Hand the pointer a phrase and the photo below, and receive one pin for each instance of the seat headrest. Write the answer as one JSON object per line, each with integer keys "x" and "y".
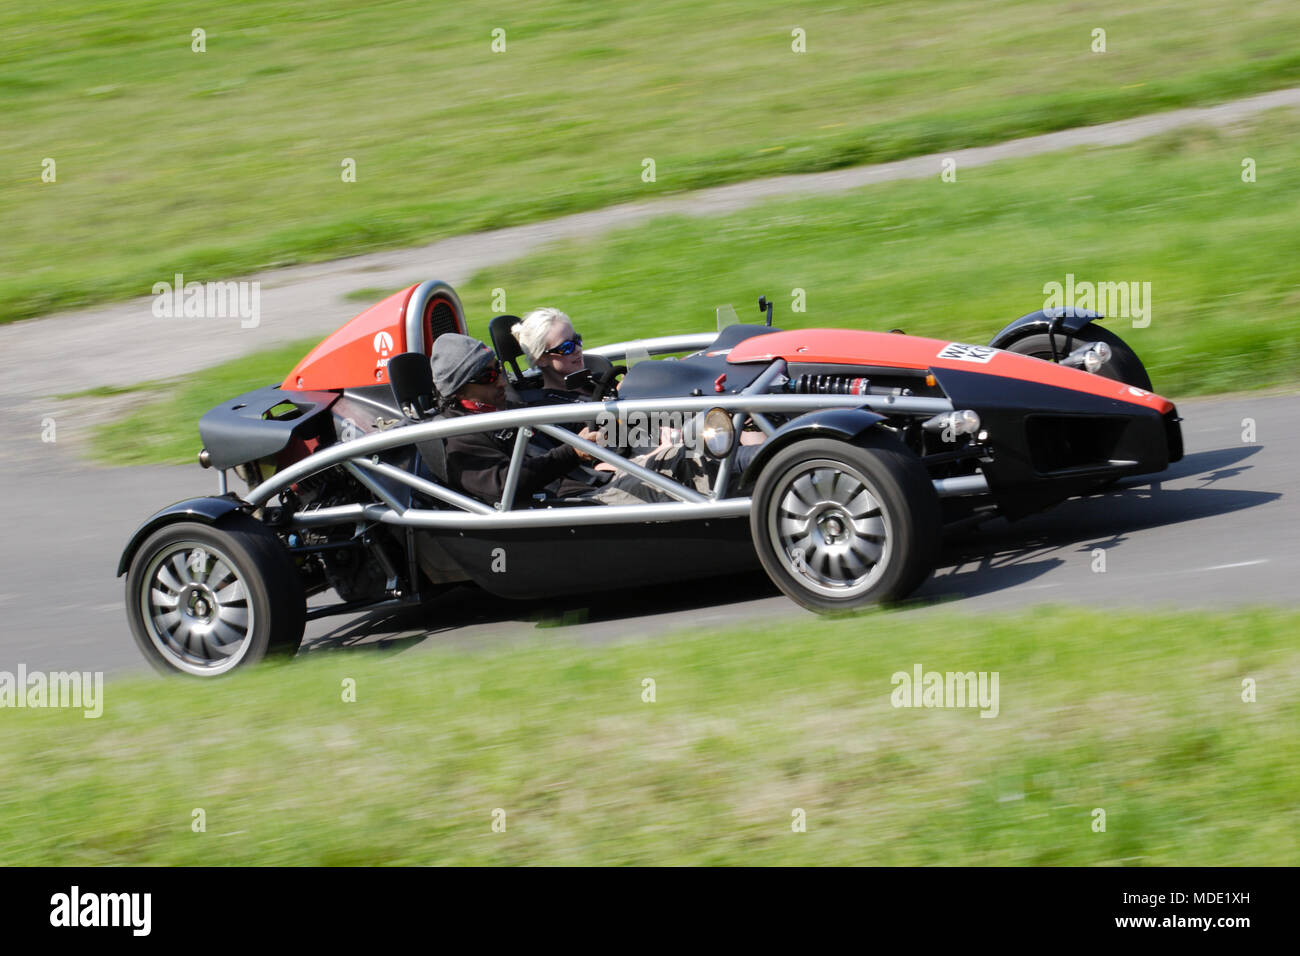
{"x": 411, "y": 378}
{"x": 504, "y": 342}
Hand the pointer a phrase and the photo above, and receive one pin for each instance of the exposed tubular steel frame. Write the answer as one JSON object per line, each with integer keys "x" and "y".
{"x": 964, "y": 485}
{"x": 516, "y": 464}
{"x": 540, "y": 518}
{"x": 652, "y": 478}
{"x": 374, "y": 487}
{"x": 565, "y": 517}
{"x": 761, "y": 421}
{"x": 355, "y": 456}
{"x": 376, "y": 442}
{"x": 662, "y": 345}
{"x": 364, "y": 400}
{"x": 757, "y": 387}
{"x": 446, "y": 495}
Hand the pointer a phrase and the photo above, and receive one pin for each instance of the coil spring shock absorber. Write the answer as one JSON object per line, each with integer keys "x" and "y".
{"x": 828, "y": 385}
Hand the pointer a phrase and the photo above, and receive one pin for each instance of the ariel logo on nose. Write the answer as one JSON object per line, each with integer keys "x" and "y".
{"x": 383, "y": 343}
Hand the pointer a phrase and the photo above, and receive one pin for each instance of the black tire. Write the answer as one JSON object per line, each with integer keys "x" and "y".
{"x": 1124, "y": 365}
{"x": 237, "y": 597}
{"x": 840, "y": 568}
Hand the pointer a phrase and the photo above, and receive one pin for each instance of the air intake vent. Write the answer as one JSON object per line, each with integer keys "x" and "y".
{"x": 1065, "y": 443}
{"x": 442, "y": 318}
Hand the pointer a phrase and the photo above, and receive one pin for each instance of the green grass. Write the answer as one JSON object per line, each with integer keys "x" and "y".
{"x": 1140, "y": 715}
{"x": 112, "y": 391}
{"x": 167, "y": 430}
{"x": 950, "y": 260}
{"x": 958, "y": 260}
{"x": 369, "y": 295}
{"x": 219, "y": 163}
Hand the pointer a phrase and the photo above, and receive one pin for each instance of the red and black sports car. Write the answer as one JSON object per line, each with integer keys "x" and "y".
{"x": 868, "y": 443}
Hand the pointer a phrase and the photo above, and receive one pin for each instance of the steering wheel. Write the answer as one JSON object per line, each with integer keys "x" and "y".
{"x": 599, "y": 376}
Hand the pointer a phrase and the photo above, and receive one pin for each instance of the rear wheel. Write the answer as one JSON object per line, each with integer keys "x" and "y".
{"x": 205, "y": 599}
{"x": 1124, "y": 365}
{"x": 838, "y": 526}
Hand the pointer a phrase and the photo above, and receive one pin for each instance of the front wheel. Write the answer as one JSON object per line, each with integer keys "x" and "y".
{"x": 838, "y": 526}
{"x": 1124, "y": 365}
{"x": 205, "y": 599}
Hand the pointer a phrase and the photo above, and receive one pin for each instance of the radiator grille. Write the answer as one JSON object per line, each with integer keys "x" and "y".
{"x": 442, "y": 318}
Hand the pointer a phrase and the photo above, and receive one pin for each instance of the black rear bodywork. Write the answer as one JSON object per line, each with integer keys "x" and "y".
{"x": 264, "y": 422}
{"x": 1052, "y": 443}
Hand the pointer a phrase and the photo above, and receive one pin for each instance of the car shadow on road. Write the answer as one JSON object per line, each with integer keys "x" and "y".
{"x": 445, "y": 617}
{"x": 1212, "y": 465}
{"x": 979, "y": 559}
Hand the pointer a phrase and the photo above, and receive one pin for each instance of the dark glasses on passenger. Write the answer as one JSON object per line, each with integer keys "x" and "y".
{"x": 567, "y": 347}
{"x": 488, "y": 376}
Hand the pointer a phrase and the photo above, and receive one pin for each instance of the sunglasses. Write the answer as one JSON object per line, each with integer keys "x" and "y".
{"x": 567, "y": 347}
{"x": 488, "y": 376}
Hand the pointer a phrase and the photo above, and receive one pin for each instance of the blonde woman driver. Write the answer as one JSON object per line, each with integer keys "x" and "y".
{"x": 547, "y": 337}
{"x": 549, "y": 341}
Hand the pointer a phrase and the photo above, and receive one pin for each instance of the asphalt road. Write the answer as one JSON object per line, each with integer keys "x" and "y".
{"x": 1219, "y": 529}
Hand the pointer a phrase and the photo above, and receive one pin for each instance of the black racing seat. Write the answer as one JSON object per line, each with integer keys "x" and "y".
{"x": 433, "y": 452}
{"x": 411, "y": 378}
{"x": 505, "y": 344}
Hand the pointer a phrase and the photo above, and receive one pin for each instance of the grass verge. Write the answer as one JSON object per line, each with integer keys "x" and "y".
{"x": 166, "y": 430}
{"x": 222, "y": 162}
{"x": 957, "y": 260}
{"x": 1140, "y": 715}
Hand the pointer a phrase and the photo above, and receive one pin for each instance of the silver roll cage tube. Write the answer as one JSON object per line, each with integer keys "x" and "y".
{"x": 360, "y": 457}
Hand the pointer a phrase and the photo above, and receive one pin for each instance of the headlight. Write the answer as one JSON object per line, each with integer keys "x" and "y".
{"x": 1096, "y": 357}
{"x": 717, "y": 434}
{"x": 964, "y": 421}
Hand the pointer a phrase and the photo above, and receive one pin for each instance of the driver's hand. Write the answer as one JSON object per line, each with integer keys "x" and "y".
{"x": 591, "y": 436}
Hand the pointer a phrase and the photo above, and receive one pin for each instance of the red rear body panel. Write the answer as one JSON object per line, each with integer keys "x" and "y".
{"x": 357, "y": 354}
{"x": 891, "y": 350}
